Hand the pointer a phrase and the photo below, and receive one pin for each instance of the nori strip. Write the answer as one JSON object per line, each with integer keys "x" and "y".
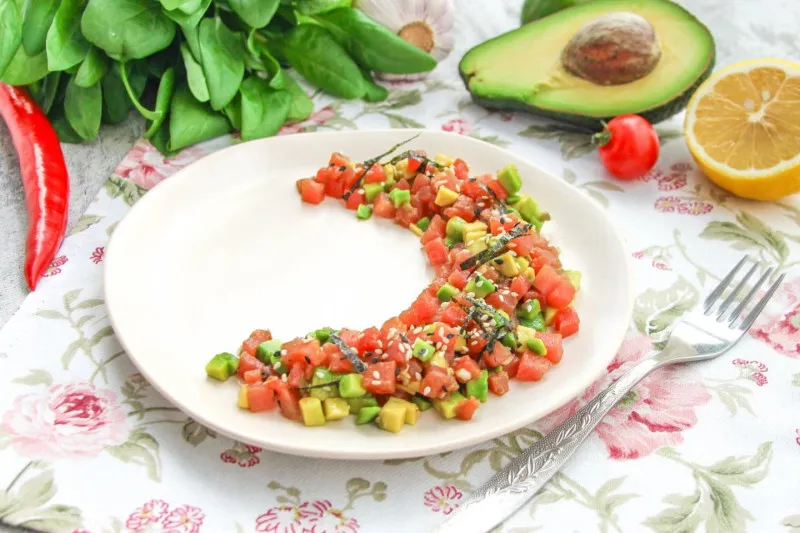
{"x": 319, "y": 385}
{"x": 496, "y": 248}
{"x": 358, "y": 364}
{"x": 369, "y": 162}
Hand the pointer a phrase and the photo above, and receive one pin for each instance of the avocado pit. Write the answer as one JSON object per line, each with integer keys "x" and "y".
{"x": 617, "y": 48}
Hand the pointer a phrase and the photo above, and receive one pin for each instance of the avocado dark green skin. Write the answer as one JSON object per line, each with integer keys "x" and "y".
{"x": 653, "y": 115}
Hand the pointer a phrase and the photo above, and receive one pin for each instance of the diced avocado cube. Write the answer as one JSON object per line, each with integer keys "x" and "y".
{"x": 350, "y": 386}
{"x": 429, "y": 329}
{"x": 512, "y": 199}
{"x": 311, "y": 409}
{"x": 450, "y": 242}
{"x": 507, "y": 265}
{"x": 527, "y": 208}
{"x": 537, "y": 346}
{"x": 321, "y": 376}
{"x": 335, "y": 408}
{"x": 524, "y": 334}
{"x": 391, "y": 174}
{"x": 392, "y": 417}
{"x": 480, "y": 286}
{"x": 461, "y": 343}
{"x": 323, "y": 335}
{"x": 529, "y": 309}
{"x": 530, "y": 274}
{"x": 522, "y": 263}
{"x": 412, "y": 410}
{"x": 549, "y": 315}
{"x": 363, "y": 212}
{"x": 510, "y": 179}
{"x": 415, "y": 230}
{"x": 447, "y": 407}
{"x": 536, "y": 323}
{"x": 423, "y": 350}
{"x": 222, "y": 366}
{"x": 479, "y": 387}
{"x": 574, "y": 277}
{"x": 445, "y": 197}
{"x": 477, "y": 246}
{"x": 439, "y": 360}
{"x": 501, "y": 316}
{"x": 509, "y": 340}
{"x": 265, "y": 352}
{"x": 367, "y": 414}
{"x": 477, "y": 225}
{"x": 455, "y": 228}
{"x": 446, "y": 292}
{"x": 371, "y": 190}
{"x": 423, "y": 223}
{"x": 445, "y": 160}
{"x": 241, "y": 401}
{"x": 400, "y": 197}
{"x": 357, "y": 404}
{"x": 421, "y": 402}
{"x": 472, "y": 236}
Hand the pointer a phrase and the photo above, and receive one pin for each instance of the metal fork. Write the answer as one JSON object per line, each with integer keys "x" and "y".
{"x": 701, "y": 334}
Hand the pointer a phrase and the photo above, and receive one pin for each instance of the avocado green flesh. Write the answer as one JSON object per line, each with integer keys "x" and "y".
{"x": 522, "y": 68}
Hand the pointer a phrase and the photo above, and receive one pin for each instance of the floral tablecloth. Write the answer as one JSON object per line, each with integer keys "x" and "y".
{"x": 86, "y": 445}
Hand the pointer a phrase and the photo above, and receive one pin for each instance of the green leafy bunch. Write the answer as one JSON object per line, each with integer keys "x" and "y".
{"x": 195, "y": 69}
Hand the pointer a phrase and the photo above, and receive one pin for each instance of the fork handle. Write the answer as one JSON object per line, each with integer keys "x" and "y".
{"x": 521, "y": 479}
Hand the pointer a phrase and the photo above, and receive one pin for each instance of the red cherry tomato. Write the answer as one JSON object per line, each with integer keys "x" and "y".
{"x": 628, "y": 147}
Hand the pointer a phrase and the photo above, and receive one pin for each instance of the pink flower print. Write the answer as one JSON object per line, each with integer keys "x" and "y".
{"x": 242, "y": 454}
{"x": 443, "y": 498}
{"x": 284, "y": 519}
{"x": 654, "y": 414}
{"x": 752, "y": 370}
{"x": 145, "y": 166}
{"x": 317, "y": 118}
{"x": 80, "y": 531}
{"x": 184, "y": 519}
{"x": 667, "y": 204}
{"x": 754, "y": 365}
{"x": 759, "y": 378}
{"x": 797, "y": 440}
{"x": 681, "y": 167}
{"x": 654, "y": 174}
{"x": 671, "y": 182}
{"x": 323, "y": 518}
{"x": 150, "y": 513}
{"x": 457, "y": 125}
{"x": 779, "y": 323}
{"x": 65, "y": 421}
{"x": 98, "y": 254}
{"x": 695, "y": 208}
{"x": 660, "y": 265}
{"x": 55, "y": 266}
{"x": 638, "y": 255}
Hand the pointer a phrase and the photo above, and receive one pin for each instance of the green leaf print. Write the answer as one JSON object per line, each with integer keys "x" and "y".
{"x": 792, "y": 522}
{"x": 84, "y": 223}
{"x": 712, "y": 500}
{"x": 117, "y": 187}
{"x": 399, "y": 121}
{"x": 655, "y": 310}
{"x": 195, "y": 433}
{"x": 733, "y": 396}
{"x": 35, "y": 377}
{"x": 749, "y": 233}
{"x": 574, "y": 142}
{"x": 27, "y": 505}
{"x": 142, "y": 449}
{"x": 796, "y": 380}
{"x": 51, "y": 314}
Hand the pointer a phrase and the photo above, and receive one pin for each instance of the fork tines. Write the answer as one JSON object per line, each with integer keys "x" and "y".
{"x": 709, "y": 306}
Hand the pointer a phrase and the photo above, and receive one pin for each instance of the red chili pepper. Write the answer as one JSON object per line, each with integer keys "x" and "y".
{"x": 44, "y": 178}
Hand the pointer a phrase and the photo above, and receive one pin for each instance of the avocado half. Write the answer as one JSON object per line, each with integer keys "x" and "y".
{"x": 523, "y": 69}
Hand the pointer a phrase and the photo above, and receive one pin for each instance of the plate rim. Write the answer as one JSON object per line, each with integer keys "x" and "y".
{"x": 307, "y": 449}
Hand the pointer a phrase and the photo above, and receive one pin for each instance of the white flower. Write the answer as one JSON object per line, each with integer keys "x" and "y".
{"x": 427, "y": 24}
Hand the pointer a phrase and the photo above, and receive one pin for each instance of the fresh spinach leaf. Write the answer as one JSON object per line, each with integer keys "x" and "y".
{"x": 316, "y": 55}
{"x": 376, "y": 47}
{"x": 302, "y": 106}
{"x": 191, "y": 122}
{"x": 62, "y": 128}
{"x": 37, "y": 16}
{"x": 116, "y": 103}
{"x": 83, "y": 107}
{"x": 45, "y": 93}
{"x": 92, "y": 69}
{"x": 161, "y": 139}
{"x": 315, "y": 7}
{"x": 134, "y": 98}
{"x": 194, "y": 75}
{"x": 188, "y": 15}
{"x": 165, "y": 89}
{"x": 256, "y": 13}
{"x": 222, "y": 58}
{"x": 192, "y": 37}
{"x": 24, "y": 69}
{"x": 374, "y": 92}
{"x": 11, "y": 30}
{"x": 264, "y": 109}
{"x": 65, "y": 44}
{"x": 234, "y": 112}
{"x": 127, "y": 29}
{"x": 172, "y": 4}
{"x": 256, "y": 46}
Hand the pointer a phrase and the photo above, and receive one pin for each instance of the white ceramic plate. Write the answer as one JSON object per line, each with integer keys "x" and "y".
{"x": 225, "y": 246}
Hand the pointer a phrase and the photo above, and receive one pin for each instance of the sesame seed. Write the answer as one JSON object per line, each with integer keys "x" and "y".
{"x": 438, "y": 345}
{"x": 418, "y": 329}
{"x": 473, "y": 343}
{"x": 463, "y": 374}
{"x": 479, "y": 283}
{"x": 403, "y": 347}
{"x": 376, "y": 374}
{"x": 378, "y": 351}
{"x": 500, "y": 297}
{"x": 417, "y": 376}
{"x": 426, "y": 391}
{"x": 440, "y": 332}
{"x": 392, "y": 332}
{"x": 320, "y": 374}
{"x": 512, "y": 245}
{"x": 360, "y": 191}
{"x": 284, "y": 378}
{"x": 283, "y": 353}
{"x": 471, "y": 294}
{"x": 385, "y": 356}
{"x": 514, "y": 294}
{"x": 277, "y": 365}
